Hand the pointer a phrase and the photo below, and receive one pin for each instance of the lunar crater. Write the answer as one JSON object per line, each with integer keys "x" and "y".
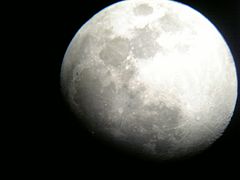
{"x": 115, "y": 51}
{"x": 171, "y": 23}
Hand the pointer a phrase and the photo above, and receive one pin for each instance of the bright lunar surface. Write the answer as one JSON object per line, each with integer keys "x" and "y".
{"x": 153, "y": 77}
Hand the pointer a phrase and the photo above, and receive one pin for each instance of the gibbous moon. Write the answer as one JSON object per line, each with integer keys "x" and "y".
{"x": 153, "y": 77}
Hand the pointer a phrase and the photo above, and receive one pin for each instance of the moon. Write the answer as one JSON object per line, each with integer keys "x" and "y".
{"x": 152, "y": 77}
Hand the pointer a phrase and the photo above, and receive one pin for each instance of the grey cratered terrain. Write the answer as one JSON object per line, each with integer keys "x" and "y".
{"x": 152, "y": 76}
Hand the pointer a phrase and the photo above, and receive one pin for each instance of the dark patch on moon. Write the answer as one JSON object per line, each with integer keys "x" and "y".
{"x": 128, "y": 75}
{"x": 78, "y": 52}
{"x": 92, "y": 98}
{"x": 143, "y": 10}
{"x": 82, "y": 48}
{"x": 86, "y": 87}
{"x": 140, "y": 123}
{"x": 144, "y": 44}
{"x": 165, "y": 117}
{"x": 115, "y": 51}
{"x": 171, "y": 23}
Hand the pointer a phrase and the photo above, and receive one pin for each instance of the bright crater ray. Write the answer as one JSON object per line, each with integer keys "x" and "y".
{"x": 154, "y": 77}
